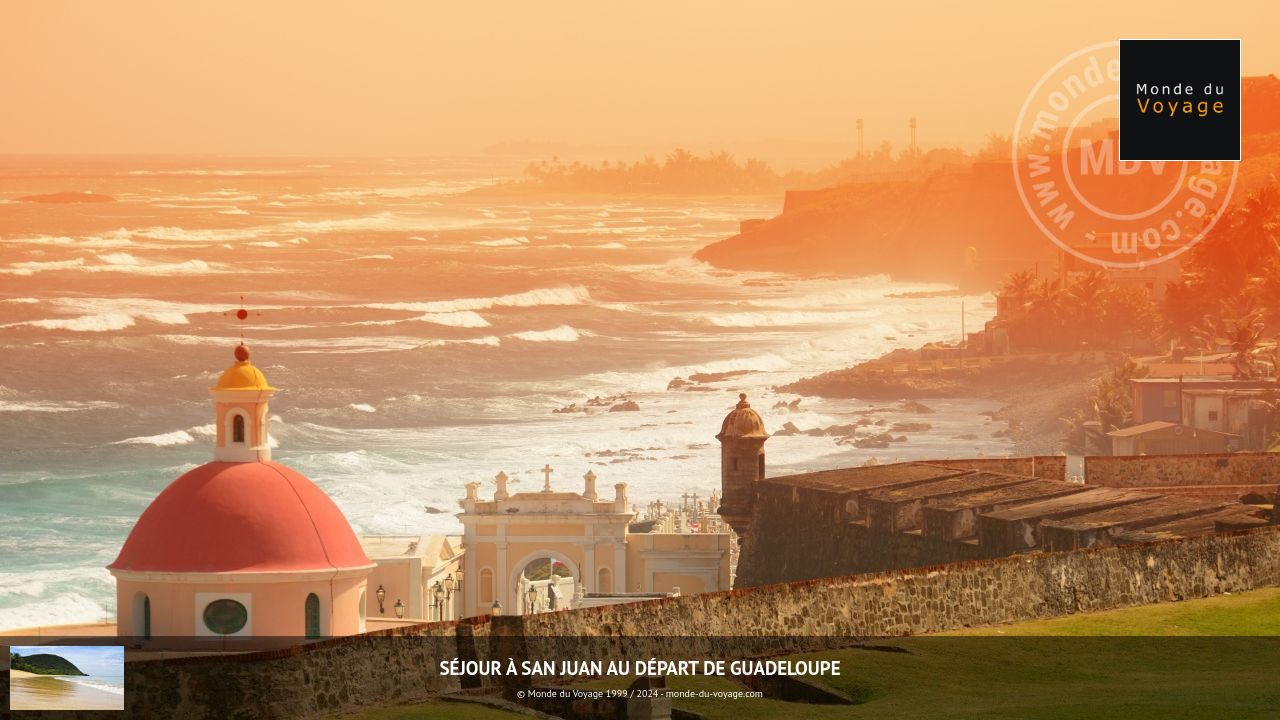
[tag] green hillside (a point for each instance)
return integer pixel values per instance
(43, 664)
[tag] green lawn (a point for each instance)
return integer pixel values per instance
(1211, 658)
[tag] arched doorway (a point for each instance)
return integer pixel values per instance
(142, 616)
(544, 582)
(312, 612)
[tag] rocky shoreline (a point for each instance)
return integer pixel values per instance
(1035, 395)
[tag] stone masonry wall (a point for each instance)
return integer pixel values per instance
(945, 597)
(339, 675)
(314, 680)
(800, 533)
(1048, 467)
(1159, 471)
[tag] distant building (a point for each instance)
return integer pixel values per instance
(1240, 412)
(1165, 438)
(411, 571)
(1160, 398)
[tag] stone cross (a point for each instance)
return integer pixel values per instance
(546, 472)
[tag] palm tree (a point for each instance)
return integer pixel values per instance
(1113, 399)
(1018, 285)
(1268, 291)
(1183, 310)
(1047, 309)
(1087, 298)
(1111, 405)
(1257, 228)
(1246, 239)
(1240, 323)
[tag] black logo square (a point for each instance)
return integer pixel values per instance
(1180, 100)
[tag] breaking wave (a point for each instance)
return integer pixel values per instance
(575, 295)
(461, 319)
(113, 262)
(783, 318)
(170, 439)
(564, 333)
(520, 241)
(54, 407)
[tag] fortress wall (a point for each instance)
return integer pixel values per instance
(816, 525)
(1048, 467)
(934, 599)
(395, 666)
(794, 200)
(801, 533)
(1183, 471)
(313, 680)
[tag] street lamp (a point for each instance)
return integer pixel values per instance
(459, 588)
(381, 592)
(438, 591)
(448, 594)
(496, 610)
(399, 608)
(530, 597)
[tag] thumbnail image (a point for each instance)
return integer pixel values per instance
(66, 677)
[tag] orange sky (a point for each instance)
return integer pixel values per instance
(415, 78)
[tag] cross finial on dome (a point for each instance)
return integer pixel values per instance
(241, 314)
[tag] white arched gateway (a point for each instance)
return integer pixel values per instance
(504, 536)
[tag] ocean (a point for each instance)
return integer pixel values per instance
(422, 328)
(111, 683)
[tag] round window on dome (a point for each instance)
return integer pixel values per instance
(225, 616)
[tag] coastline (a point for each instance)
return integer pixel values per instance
(29, 691)
(1034, 394)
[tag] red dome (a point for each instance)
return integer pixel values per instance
(241, 517)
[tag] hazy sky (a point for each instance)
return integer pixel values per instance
(412, 78)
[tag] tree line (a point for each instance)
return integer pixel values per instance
(1225, 300)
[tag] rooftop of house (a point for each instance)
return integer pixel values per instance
(1192, 379)
(1160, 426)
(1143, 428)
(1162, 370)
(408, 546)
(1217, 392)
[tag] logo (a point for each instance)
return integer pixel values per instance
(1180, 100)
(1095, 206)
